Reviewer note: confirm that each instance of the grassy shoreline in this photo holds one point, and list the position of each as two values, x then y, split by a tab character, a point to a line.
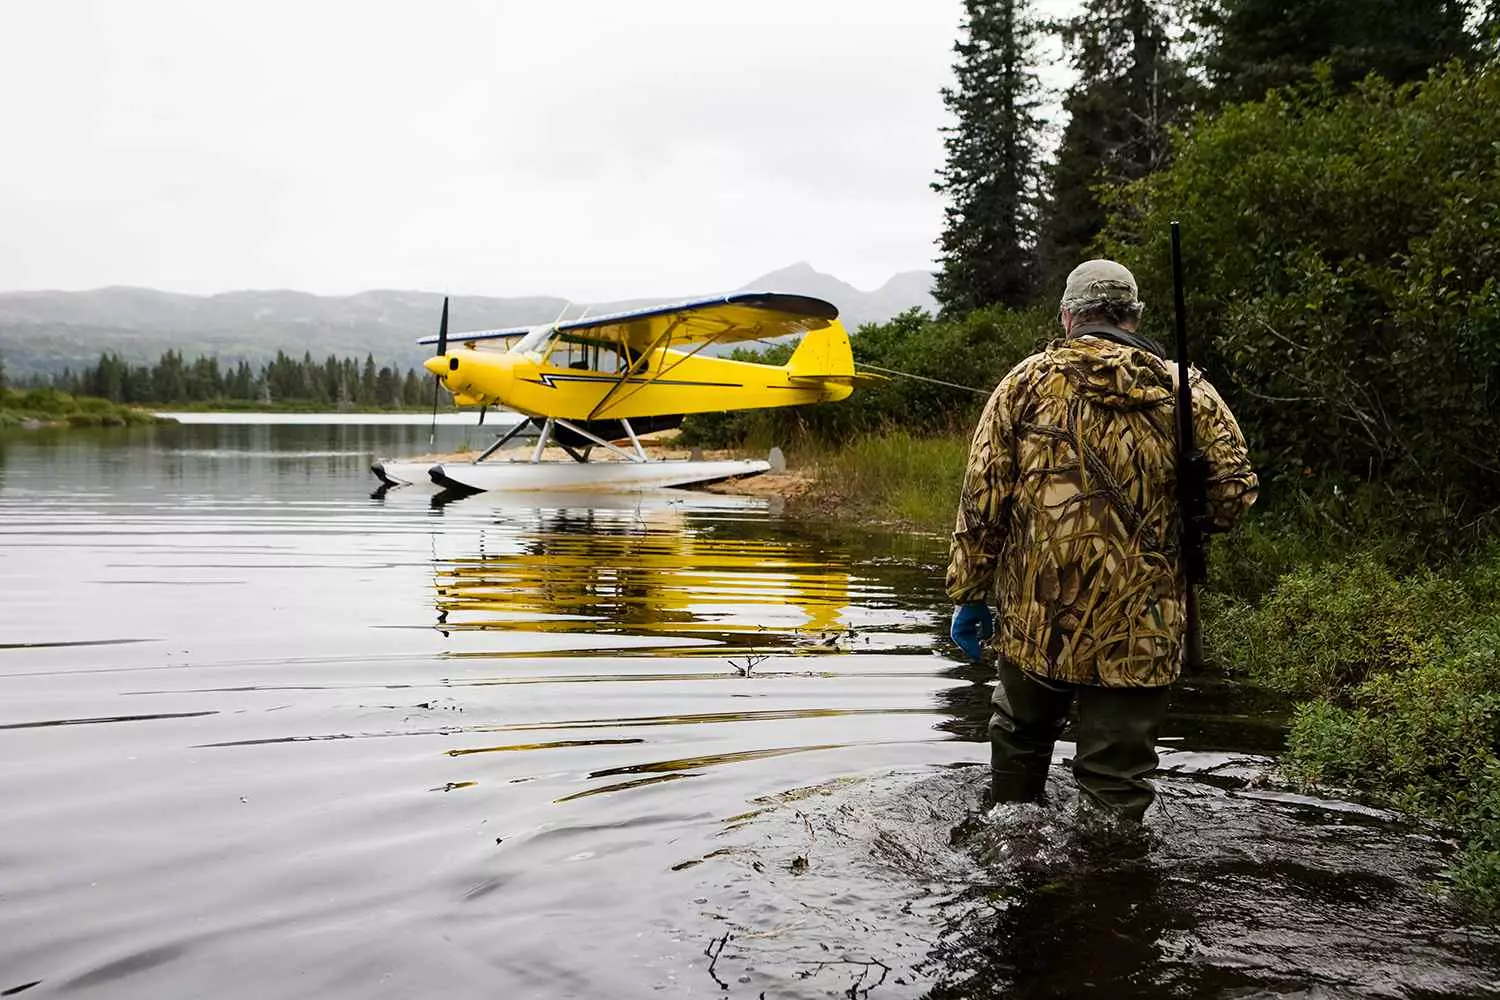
41	408
894	480
1381	632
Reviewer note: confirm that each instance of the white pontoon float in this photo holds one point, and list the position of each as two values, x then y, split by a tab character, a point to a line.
625	470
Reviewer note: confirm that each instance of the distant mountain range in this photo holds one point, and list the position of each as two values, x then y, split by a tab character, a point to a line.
46	331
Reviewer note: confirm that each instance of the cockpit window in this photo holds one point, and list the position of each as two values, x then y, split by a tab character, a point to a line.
546	346
585	355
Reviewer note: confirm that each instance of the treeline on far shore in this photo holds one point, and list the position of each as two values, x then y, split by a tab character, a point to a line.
174	380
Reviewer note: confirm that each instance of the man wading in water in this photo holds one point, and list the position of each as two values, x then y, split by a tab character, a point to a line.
1069	520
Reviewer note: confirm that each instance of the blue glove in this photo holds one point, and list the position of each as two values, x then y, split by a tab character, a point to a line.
972	624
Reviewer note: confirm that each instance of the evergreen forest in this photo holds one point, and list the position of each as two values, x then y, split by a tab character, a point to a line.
337	383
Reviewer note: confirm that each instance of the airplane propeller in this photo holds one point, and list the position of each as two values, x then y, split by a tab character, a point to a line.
437	382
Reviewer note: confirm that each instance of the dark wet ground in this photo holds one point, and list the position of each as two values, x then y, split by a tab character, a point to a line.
262	735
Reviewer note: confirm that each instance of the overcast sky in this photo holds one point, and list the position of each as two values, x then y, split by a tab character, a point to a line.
583	148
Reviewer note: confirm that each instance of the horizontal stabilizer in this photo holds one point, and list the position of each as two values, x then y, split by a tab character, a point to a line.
844	379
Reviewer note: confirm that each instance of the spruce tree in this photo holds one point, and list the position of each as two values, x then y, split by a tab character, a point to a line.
1260	44
1129	89
992	174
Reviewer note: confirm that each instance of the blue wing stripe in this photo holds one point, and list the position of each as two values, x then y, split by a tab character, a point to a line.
797	305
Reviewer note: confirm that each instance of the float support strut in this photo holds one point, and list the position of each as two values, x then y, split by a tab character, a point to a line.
541	442
639	456
502	441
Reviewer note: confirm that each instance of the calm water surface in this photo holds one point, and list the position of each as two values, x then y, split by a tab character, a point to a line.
263	734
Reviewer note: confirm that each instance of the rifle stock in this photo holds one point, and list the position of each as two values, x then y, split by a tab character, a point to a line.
1192	470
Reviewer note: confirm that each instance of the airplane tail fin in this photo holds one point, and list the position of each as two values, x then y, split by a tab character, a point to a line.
823	353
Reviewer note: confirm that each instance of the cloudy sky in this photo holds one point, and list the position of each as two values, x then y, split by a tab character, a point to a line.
583	148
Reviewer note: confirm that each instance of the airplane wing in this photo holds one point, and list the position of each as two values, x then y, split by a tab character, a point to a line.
512	333
721	319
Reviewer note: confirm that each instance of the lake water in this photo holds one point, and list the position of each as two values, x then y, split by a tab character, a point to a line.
263	734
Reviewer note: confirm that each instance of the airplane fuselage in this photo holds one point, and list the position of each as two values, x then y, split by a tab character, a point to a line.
661	382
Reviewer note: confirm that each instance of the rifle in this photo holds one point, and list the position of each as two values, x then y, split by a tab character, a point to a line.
1192	470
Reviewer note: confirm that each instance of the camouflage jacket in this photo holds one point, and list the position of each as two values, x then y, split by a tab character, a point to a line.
1068	519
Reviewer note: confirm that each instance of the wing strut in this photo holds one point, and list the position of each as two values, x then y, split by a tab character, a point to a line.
643	360
661	373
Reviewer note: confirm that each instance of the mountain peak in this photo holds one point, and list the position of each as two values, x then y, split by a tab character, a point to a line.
793	278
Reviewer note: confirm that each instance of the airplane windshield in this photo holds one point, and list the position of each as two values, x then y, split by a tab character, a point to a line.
534	342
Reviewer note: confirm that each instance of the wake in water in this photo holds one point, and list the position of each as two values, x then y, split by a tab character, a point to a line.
906	885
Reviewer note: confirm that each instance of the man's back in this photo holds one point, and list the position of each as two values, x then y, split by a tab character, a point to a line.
1069	512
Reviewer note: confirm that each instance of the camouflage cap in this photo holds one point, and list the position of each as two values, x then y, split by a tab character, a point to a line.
1099	281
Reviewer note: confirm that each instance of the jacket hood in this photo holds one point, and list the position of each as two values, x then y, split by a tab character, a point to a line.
1112	374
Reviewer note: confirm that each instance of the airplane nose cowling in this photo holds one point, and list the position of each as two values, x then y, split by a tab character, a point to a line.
485	378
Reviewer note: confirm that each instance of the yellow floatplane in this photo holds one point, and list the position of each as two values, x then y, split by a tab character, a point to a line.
602	382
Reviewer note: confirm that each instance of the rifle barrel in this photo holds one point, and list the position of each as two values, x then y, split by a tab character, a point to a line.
1191	466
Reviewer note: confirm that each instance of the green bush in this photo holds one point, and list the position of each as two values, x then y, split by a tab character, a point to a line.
43	401
1425	739
1325	629
1320	521
49	406
1341	260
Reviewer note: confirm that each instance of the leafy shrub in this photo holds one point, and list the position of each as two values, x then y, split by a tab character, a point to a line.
1325	629
1320	521
45	400
1341	257
49	406
1425	739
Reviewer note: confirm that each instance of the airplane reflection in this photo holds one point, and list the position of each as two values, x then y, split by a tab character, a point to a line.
663	566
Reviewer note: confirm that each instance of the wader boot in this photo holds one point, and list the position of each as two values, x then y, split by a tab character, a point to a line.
1117	730
1116	738
1029	717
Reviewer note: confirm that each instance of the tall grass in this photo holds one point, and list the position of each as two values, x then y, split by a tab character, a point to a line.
891	478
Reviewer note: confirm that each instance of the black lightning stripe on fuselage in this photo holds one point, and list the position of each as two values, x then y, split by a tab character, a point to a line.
550	381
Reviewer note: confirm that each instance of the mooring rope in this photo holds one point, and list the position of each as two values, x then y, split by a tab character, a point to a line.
892	371
924	378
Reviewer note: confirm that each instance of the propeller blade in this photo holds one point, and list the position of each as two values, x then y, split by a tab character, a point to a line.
437	382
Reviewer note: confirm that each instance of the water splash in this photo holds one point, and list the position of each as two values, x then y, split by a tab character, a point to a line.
908	882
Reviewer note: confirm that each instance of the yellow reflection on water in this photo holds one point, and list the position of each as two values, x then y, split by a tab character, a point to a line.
642	571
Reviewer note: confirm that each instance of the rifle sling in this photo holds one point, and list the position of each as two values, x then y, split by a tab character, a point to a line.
1127	338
